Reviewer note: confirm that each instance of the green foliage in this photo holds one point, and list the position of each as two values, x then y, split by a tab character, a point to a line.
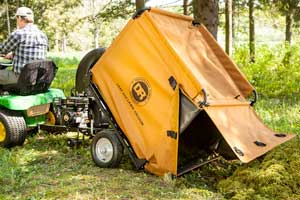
275	74
280	114
106	16
65	80
65	62
59	20
70	22
50	15
115	9
110	31
65	77
288	7
276	77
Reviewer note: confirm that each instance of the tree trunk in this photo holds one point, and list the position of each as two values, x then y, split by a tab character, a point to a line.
96	37
228	27
64	44
251	31
139	4
233	22
288	27
56	42
95	24
206	12
185	7
7	17
288	36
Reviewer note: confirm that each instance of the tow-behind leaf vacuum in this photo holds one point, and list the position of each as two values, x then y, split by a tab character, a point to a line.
164	90
176	98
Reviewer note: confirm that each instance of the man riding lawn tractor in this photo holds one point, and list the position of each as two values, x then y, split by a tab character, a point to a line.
30	75
24	45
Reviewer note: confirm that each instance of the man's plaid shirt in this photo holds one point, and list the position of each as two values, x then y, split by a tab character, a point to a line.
27	44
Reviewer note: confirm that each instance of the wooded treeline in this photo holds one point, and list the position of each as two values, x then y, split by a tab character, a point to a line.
208	12
64	20
60	19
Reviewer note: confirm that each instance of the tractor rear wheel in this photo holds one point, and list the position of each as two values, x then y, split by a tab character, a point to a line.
12	128
106	149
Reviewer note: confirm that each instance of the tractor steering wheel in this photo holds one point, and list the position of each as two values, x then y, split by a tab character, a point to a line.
5	63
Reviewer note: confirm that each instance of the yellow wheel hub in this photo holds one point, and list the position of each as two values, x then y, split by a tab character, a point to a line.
50	118
2	132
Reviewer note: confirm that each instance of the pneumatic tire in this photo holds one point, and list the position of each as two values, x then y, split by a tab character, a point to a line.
12	128
106	149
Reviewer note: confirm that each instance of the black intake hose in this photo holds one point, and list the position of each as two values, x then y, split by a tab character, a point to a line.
84	67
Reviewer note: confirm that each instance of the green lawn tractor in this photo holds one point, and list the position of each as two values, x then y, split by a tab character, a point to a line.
30	105
21	107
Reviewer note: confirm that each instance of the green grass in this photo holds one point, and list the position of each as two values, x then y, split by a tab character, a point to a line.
65	79
276	72
46	168
67	66
281	115
275	175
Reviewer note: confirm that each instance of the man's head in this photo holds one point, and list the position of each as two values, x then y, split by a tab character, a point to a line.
24	16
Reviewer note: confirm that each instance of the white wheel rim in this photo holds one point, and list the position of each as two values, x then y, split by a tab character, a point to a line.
104	150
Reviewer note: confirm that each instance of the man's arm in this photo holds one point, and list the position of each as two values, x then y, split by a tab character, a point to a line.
10	44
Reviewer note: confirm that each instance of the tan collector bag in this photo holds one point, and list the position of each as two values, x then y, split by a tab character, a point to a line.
175	94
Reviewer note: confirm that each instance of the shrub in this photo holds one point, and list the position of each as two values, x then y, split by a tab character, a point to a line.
65	77
276	71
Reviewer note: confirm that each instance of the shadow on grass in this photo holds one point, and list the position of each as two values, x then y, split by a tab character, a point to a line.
45	168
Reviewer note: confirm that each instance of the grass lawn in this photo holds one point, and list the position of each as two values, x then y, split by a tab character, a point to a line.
46	168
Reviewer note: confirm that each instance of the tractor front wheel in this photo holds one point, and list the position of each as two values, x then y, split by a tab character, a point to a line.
106	149
12	128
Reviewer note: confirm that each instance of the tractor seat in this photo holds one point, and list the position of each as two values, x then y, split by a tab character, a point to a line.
36	77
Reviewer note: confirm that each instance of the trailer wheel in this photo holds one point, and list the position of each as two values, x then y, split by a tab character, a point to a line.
12	129
106	149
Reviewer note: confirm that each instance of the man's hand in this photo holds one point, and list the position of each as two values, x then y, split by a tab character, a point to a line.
9	56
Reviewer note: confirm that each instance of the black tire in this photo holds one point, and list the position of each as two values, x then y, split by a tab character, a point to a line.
106	149
13	128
